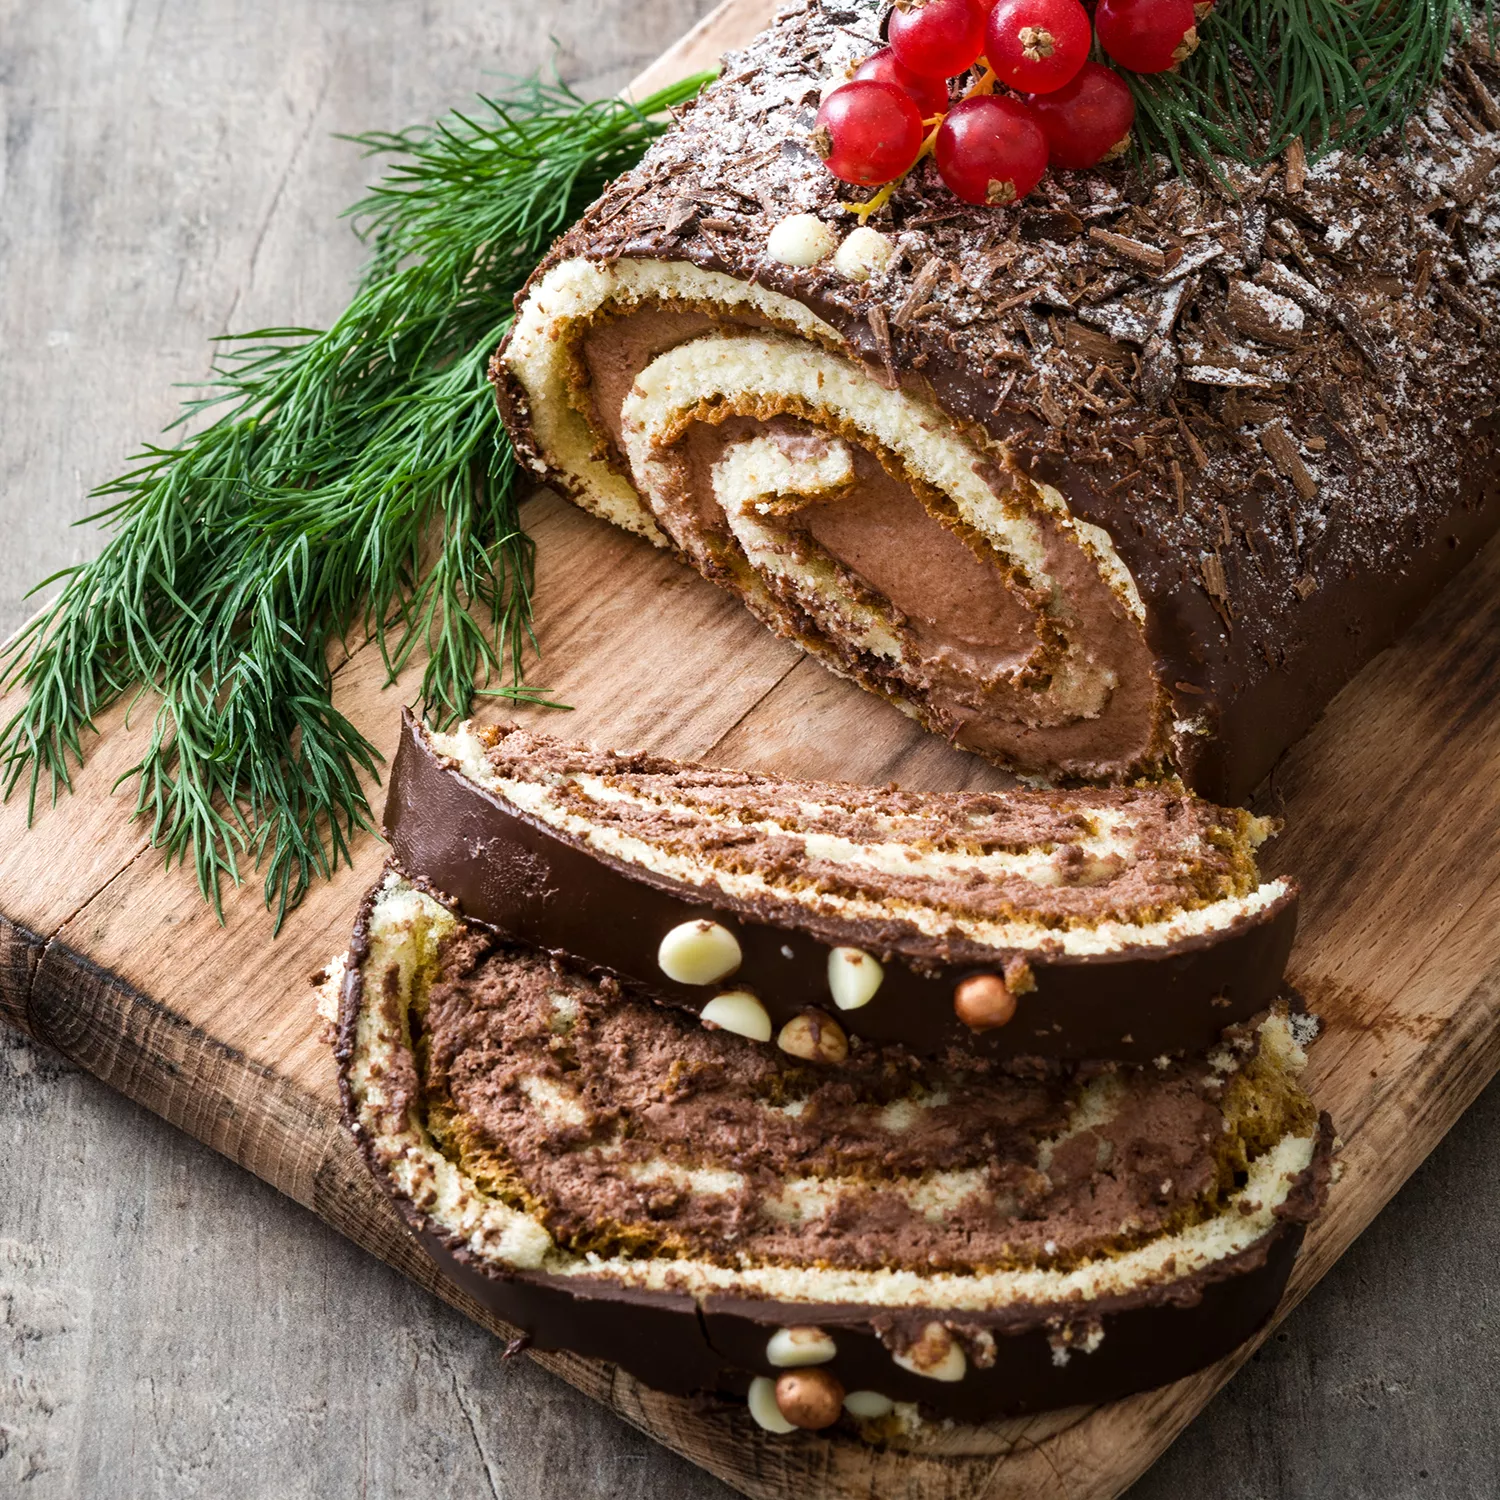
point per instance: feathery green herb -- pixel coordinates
(351, 477)
(1333, 73)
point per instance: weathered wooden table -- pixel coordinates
(173, 1327)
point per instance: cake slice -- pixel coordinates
(893, 1236)
(1122, 923)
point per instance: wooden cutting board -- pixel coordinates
(1393, 825)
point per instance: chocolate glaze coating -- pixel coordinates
(509, 871)
(665, 1341)
(672, 1343)
(1286, 504)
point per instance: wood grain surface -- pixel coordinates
(169, 174)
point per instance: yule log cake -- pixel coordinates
(1128, 476)
(869, 1242)
(1122, 923)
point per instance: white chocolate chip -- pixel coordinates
(740, 1012)
(853, 977)
(763, 1406)
(865, 253)
(936, 1355)
(800, 240)
(868, 1405)
(698, 953)
(790, 1347)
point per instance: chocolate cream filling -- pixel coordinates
(1039, 664)
(629, 1129)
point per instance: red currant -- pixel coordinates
(1147, 36)
(937, 38)
(867, 132)
(1088, 120)
(931, 94)
(991, 150)
(1036, 46)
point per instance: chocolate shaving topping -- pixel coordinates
(1281, 449)
(1468, 184)
(1052, 409)
(1487, 102)
(1122, 245)
(1261, 313)
(1424, 275)
(680, 213)
(881, 329)
(1296, 166)
(1461, 304)
(922, 287)
(1276, 276)
(1216, 582)
(1348, 318)
(1159, 370)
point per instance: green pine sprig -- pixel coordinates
(353, 478)
(1334, 74)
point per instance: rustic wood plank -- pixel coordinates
(20, 952)
(1431, 1017)
(812, 724)
(100, 847)
(730, 24)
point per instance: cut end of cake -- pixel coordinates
(1073, 874)
(1119, 923)
(713, 414)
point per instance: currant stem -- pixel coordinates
(984, 84)
(865, 211)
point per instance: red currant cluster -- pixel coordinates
(989, 147)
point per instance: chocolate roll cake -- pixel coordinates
(1126, 924)
(1127, 478)
(614, 1178)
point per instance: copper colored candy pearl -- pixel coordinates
(810, 1398)
(984, 1001)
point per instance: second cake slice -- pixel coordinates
(1125, 924)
